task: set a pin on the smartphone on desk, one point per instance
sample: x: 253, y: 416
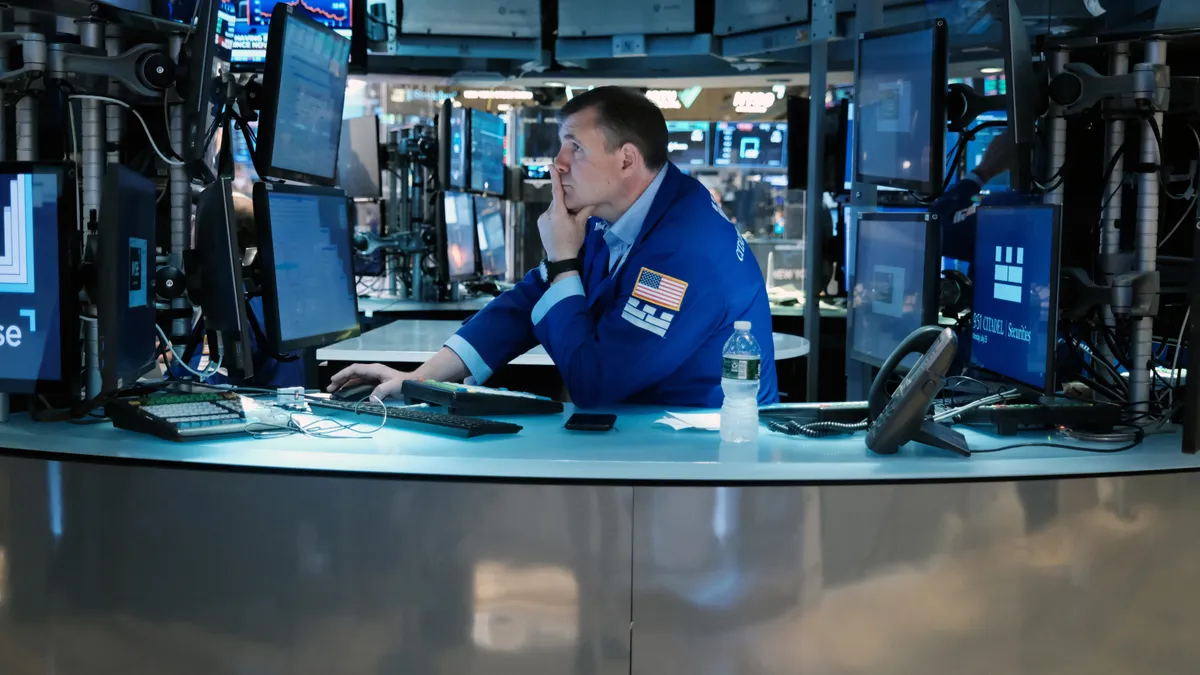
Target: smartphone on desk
x: 591, y: 422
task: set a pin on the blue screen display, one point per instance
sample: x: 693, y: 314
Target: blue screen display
x: 893, y: 97
x: 951, y: 143
x: 30, y: 316
x: 1014, y: 301
x: 489, y: 220
x: 312, y: 89
x: 458, y: 149
x: 687, y: 143
x: 888, y: 287
x: 750, y: 144
x: 976, y: 148
x: 314, y: 276
x: 487, y: 152
x: 460, y: 235
x: 244, y: 25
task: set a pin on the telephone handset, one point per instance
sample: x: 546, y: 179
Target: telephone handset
x: 900, y: 418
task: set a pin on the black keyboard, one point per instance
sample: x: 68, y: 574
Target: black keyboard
x: 178, y: 417
x: 418, y: 419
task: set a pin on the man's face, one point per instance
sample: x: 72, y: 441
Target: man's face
x: 591, y: 175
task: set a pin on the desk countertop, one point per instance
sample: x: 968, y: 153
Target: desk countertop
x: 383, y: 305
x: 637, y: 451
x: 417, y: 341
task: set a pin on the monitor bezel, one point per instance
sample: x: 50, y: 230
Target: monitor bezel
x: 932, y: 184
x: 1048, y: 384
x: 269, y: 112
x: 270, y: 284
x: 69, y: 282
x: 930, y: 284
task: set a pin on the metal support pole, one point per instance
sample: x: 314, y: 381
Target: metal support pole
x: 115, y: 113
x: 1147, y: 245
x: 92, y: 134
x: 1057, y: 132
x: 812, y: 220
x: 25, y: 118
x: 1110, y: 235
x: 179, y: 183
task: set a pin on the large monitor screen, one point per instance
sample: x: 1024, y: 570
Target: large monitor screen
x: 458, y: 149
x: 246, y: 23
x: 487, y: 153
x: 539, y: 138
x: 31, y: 313
x: 1015, y: 272
x: 951, y: 144
x: 310, y: 259
x: 460, y: 236
x: 750, y: 144
x: 977, y: 146
x: 892, y: 288
x: 301, y: 125
x: 489, y: 219
x: 358, y: 158
x: 900, y: 100
x: 368, y: 218
x: 688, y: 143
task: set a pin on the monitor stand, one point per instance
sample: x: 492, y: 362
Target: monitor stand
x: 3, y: 408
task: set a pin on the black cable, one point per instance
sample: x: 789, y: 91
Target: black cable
x: 815, y: 429
x: 1162, y: 178
x: 1139, y: 435
x: 381, y: 22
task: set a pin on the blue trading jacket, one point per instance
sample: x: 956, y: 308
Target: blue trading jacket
x: 650, y: 332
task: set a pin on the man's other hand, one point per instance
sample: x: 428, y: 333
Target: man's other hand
x: 387, y: 380
x: 562, y: 232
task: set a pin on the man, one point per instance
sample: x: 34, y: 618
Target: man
x: 642, y: 281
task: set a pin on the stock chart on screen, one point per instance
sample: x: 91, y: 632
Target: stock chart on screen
x: 246, y: 24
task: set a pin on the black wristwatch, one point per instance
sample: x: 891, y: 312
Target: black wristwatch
x: 554, y: 269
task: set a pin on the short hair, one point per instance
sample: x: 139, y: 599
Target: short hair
x: 243, y: 220
x: 624, y: 115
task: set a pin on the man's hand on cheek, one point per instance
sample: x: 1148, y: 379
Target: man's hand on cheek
x: 562, y: 231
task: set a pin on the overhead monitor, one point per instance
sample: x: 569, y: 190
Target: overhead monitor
x: 304, y: 87
x: 1015, y: 274
x: 39, y: 292
x: 368, y: 218
x: 688, y: 143
x: 459, y: 148
x: 217, y: 261
x: 487, y: 153
x: 1024, y: 91
x: 246, y: 24
x: 977, y: 146
x: 894, y: 286
x: 759, y: 145
x: 358, y: 158
x: 461, y: 262
x: 489, y: 230
x: 125, y: 269
x: 900, y: 120
x: 306, y: 259
x: 539, y: 136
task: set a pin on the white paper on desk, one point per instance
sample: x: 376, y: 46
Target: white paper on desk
x: 701, y: 421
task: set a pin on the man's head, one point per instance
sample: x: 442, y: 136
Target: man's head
x: 243, y: 213
x: 614, y: 141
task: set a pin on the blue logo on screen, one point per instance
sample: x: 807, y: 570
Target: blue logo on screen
x: 137, y: 272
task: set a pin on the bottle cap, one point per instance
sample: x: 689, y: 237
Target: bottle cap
x: 741, y: 325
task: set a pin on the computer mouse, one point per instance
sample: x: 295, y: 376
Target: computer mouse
x: 353, y: 394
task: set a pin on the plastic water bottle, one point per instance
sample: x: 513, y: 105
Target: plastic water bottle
x: 741, y: 360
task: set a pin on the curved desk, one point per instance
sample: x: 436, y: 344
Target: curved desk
x: 417, y: 341
x: 641, y: 550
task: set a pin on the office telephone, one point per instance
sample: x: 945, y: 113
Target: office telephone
x: 900, y: 417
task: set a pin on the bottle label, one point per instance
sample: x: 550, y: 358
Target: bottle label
x: 740, y: 369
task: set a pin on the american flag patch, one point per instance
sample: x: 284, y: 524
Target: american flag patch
x: 659, y: 289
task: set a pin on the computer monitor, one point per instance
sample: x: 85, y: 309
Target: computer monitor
x: 1016, y: 275
x: 459, y: 211
x: 760, y: 145
x: 219, y: 286
x: 306, y: 265
x: 1024, y: 92
x: 487, y: 153
x: 978, y: 145
x: 539, y: 136
x: 489, y: 230
x: 125, y: 270
x: 900, y: 116
x: 458, y: 149
x: 358, y: 158
x: 304, y: 87
x: 368, y: 217
x: 951, y: 144
x: 246, y: 25
x: 836, y: 132
x: 206, y: 56
x: 39, y: 289
x: 894, y: 285
x: 688, y: 143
